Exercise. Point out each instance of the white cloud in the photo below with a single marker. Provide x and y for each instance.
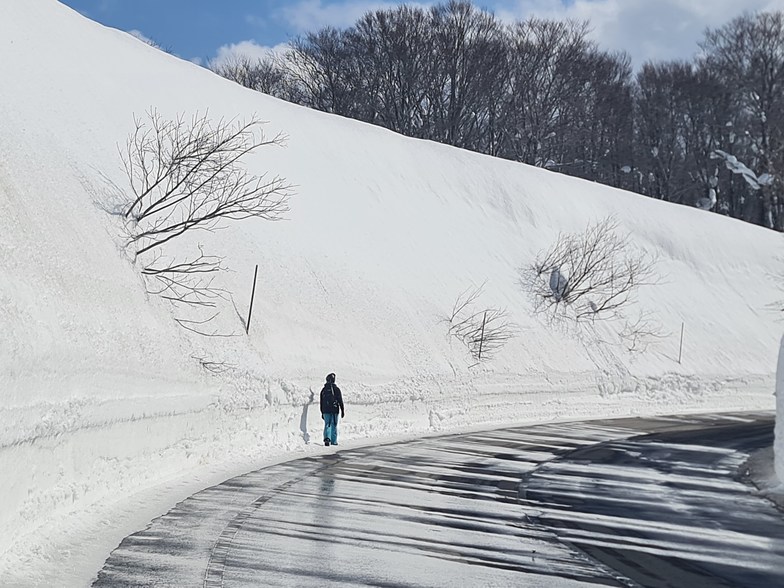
(107, 5)
(249, 49)
(311, 15)
(647, 29)
(255, 20)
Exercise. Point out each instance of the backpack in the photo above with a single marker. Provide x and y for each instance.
(328, 399)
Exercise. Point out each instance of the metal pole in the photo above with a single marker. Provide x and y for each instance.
(252, 295)
(680, 351)
(482, 336)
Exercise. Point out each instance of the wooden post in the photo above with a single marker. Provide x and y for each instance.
(482, 336)
(252, 295)
(680, 350)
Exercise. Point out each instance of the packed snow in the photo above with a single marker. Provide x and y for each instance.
(108, 416)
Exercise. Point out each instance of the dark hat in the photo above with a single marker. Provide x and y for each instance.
(330, 377)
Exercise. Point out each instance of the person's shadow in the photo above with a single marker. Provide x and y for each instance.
(303, 420)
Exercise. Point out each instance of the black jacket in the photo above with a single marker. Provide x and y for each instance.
(331, 399)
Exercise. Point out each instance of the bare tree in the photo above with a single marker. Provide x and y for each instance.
(485, 331)
(588, 276)
(325, 72)
(468, 57)
(187, 175)
(263, 75)
(748, 53)
(394, 49)
(660, 130)
(543, 93)
(542, 76)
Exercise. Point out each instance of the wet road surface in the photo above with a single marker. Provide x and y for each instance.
(666, 509)
(631, 502)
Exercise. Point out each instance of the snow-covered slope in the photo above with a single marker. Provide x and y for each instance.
(101, 394)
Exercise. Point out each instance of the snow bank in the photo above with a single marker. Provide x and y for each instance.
(779, 445)
(102, 396)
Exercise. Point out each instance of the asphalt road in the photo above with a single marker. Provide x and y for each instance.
(666, 509)
(631, 502)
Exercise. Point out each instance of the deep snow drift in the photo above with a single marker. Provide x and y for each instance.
(103, 395)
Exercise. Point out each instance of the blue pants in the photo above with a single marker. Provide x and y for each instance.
(330, 427)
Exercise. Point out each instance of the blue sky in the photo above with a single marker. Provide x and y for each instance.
(193, 28)
(203, 29)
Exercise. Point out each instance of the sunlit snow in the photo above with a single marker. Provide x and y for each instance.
(108, 417)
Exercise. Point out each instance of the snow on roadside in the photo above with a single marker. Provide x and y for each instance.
(779, 445)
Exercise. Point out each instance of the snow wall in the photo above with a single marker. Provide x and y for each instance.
(779, 445)
(102, 395)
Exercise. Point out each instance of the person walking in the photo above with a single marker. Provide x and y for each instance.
(331, 405)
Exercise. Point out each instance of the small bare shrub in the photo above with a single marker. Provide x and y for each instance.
(483, 331)
(187, 175)
(637, 333)
(588, 276)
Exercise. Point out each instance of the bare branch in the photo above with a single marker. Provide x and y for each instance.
(639, 332)
(194, 326)
(187, 282)
(466, 298)
(215, 367)
(590, 275)
(187, 175)
(484, 332)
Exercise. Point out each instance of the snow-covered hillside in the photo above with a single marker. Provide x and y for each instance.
(102, 394)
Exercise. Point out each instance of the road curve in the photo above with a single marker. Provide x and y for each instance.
(666, 509)
(629, 502)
